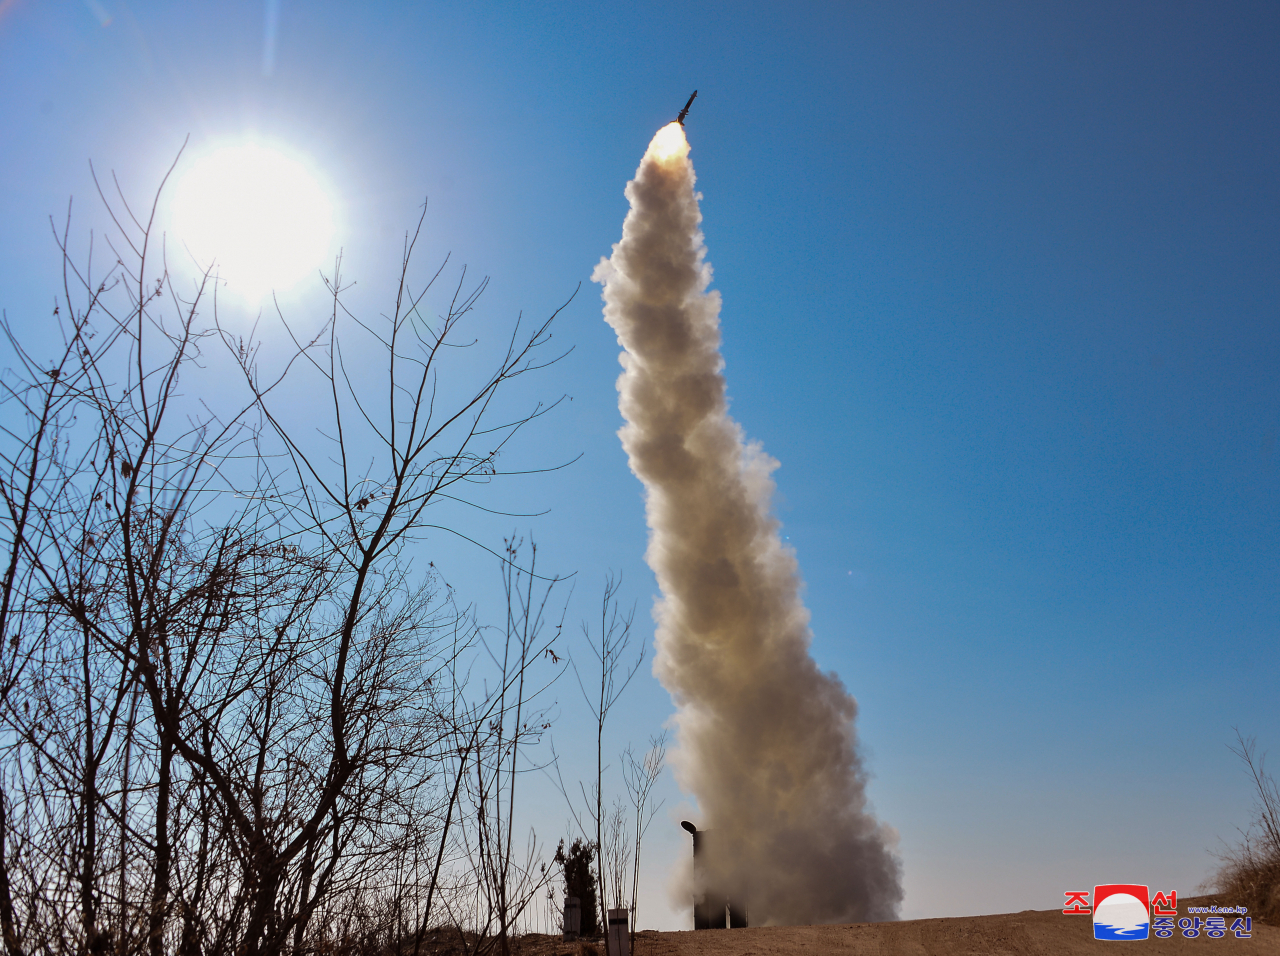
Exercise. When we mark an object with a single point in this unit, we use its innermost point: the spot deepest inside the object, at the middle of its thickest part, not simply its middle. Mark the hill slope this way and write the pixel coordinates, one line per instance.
(1029, 933)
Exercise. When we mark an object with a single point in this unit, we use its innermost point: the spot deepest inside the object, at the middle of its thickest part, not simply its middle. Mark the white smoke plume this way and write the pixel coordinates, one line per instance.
(766, 741)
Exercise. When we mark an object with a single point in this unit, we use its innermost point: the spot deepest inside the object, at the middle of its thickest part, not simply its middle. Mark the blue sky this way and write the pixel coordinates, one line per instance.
(1001, 291)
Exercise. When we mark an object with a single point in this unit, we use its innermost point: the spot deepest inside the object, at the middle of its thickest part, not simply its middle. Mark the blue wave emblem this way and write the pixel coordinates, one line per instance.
(1121, 932)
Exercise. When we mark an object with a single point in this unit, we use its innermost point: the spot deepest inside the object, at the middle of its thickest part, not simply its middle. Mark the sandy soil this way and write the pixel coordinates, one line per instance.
(1030, 933)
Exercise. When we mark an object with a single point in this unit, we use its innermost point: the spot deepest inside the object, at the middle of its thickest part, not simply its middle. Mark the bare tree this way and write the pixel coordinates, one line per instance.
(508, 884)
(617, 853)
(640, 776)
(616, 670)
(229, 699)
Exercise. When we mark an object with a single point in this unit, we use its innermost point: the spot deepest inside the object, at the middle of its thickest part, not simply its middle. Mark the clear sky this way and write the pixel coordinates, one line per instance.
(1000, 292)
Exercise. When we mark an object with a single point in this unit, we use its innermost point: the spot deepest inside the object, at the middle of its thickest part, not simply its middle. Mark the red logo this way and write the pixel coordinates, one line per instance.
(1077, 903)
(1164, 905)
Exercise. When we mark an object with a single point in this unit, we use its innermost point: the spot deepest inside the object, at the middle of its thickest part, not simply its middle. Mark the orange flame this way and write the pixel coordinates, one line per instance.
(668, 144)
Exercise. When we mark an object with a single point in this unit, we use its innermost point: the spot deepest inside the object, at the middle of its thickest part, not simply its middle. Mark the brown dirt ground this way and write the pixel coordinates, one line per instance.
(1029, 933)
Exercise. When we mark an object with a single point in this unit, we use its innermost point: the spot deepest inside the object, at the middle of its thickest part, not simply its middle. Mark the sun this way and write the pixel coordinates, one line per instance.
(261, 218)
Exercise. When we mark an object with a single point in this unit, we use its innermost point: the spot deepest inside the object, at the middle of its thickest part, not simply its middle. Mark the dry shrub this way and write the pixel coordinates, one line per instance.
(1250, 872)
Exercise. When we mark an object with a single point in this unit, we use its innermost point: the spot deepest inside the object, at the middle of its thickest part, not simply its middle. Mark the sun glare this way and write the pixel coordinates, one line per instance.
(668, 144)
(262, 219)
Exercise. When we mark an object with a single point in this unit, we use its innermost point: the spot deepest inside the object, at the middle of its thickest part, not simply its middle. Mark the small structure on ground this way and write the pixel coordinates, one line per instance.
(712, 909)
(572, 918)
(619, 938)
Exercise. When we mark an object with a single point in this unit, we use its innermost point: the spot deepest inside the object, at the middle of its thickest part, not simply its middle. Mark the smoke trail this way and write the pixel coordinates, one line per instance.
(766, 741)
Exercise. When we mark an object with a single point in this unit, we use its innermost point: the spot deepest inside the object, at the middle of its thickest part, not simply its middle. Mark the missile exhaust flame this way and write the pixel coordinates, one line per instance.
(766, 741)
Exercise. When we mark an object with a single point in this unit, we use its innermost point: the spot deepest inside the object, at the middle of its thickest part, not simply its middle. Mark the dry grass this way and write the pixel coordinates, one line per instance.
(1251, 878)
(1250, 872)
(450, 942)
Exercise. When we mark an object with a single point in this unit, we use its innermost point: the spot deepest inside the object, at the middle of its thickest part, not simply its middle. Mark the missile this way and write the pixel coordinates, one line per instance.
(685, 112)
